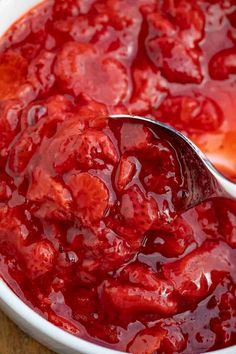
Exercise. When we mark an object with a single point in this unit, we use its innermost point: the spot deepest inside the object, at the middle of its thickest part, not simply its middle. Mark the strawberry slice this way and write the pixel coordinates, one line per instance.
(226, 215)
(177, 63)
(90, 195)
(127, 298)
(101, 252)
(223, 64)
(147, 341)
(106, 80)
(39, 258)
(93, 114)
(161, 338)
(51, 196)
(125, 172)
(138, 210)
(198, 273)
(90, 149)
(93, 146)
(63, 323)
(9, 122)
(12, 237)
(40, 73)
(169, 239)
(193, 114)
(133, 137)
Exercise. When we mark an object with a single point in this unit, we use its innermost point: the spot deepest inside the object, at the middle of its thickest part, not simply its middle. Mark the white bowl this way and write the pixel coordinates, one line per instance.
(28, 320)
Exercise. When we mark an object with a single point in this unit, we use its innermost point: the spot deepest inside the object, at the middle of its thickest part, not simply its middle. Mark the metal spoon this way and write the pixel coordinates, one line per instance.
(202, 179)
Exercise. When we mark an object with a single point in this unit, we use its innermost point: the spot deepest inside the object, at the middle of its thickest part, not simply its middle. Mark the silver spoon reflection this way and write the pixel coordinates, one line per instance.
(202, 179)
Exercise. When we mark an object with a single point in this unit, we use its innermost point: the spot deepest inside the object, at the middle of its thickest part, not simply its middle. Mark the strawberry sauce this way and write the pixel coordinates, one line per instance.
(89, 237)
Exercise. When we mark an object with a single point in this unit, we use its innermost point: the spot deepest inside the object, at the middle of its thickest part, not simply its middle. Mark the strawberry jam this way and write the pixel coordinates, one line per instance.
(89, 237)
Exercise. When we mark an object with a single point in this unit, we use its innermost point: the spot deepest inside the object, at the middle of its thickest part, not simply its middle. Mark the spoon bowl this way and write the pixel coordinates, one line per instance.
(202, 180)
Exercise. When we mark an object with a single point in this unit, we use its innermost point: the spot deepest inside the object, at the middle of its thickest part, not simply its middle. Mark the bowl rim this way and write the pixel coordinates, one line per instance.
(10, 303)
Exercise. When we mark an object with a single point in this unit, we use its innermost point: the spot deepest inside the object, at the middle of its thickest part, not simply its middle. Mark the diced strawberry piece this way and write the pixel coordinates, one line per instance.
(12, 232)
(147, 341)
(208, 218)
(91, 196)
(40, 72)
(161, 338)
(89, 149)
(5, 191)
(58, 105)
(160, 24)
(133, 137)
(93, 146)
(170, 239)
(13, 70)
(21, 153)
(106, 80)
(139, 275)
(102, 252)
(39, 258)
(9, 122)
(73, 8)
(63, 323)
(177, 63)
(115, 86)
(53, 199)
(55, 108)
(138, 210)
(148, 89)
(135, 300)
(198, 273)
(226, 217)
(73, 60)
(193, 114)
(93, 114)
(125, 172)
(223, 64)
(191, 21)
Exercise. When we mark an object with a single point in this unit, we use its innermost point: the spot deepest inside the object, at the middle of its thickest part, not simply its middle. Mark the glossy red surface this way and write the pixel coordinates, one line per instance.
(87, 232)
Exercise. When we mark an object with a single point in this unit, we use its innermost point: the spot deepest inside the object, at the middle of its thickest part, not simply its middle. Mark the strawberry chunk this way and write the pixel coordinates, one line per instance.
(127, 298)
(101, 252)
(107, 81)
(223, 64)
(40, 72)
(90, 195)
(51, 197)
(198, 273)
(147, 341)
(12, 232)
(138, 210)
(192, 114)
(39, 258)
(177, 63)
(9, 122)
(170, 239)
(64, 323)
(148, 89)
(125, 172)
(93, 114)
(93, 146)
(133, 137)
(227, 221)
(158, 338)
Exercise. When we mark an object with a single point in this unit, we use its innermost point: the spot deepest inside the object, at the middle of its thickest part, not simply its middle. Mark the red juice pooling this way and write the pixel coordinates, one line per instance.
(87, 233)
